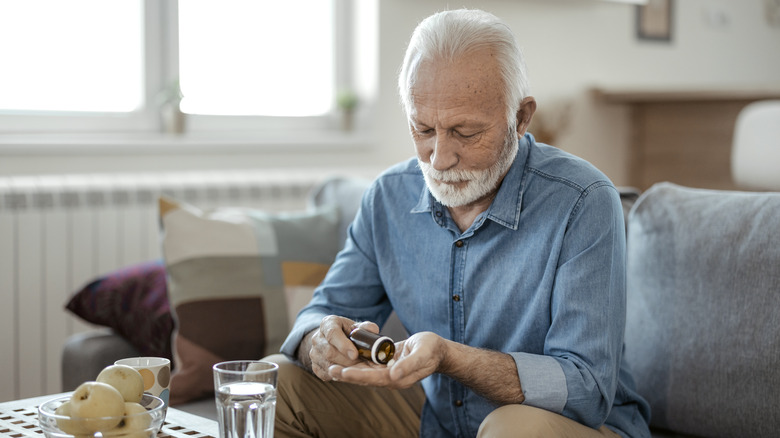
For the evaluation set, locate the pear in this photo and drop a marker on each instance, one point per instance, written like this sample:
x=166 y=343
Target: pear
x=98 y=405
x=70 y=426
x=135 y=423
x=126 y=379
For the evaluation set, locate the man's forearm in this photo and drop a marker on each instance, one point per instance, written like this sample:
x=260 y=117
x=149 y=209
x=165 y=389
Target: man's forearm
x=491 y=374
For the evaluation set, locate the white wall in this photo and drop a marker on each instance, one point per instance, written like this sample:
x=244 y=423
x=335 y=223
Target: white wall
x=570 y=45
x=574 y=45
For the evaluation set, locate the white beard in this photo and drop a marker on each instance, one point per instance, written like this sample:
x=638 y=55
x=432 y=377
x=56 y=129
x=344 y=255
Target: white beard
x=478 y=182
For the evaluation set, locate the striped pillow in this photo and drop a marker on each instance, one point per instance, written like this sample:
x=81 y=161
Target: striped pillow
x=236 y=279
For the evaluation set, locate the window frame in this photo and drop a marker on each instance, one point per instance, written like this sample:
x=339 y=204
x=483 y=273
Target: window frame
x=161 y=67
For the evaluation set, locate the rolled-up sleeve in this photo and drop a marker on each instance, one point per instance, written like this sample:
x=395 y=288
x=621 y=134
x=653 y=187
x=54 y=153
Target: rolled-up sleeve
x=543 y=381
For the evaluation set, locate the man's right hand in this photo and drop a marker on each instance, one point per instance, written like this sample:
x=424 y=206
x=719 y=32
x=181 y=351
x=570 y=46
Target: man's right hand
x=330 y=345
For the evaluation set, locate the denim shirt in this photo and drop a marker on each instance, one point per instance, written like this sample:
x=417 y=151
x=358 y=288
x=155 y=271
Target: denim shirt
x=540 y=275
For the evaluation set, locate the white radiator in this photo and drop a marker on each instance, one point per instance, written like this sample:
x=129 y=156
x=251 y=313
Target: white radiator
x=59 y=232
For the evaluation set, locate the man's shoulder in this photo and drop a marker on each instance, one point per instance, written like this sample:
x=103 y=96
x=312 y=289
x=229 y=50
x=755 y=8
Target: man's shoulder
x=558 y=166
x=397 y=186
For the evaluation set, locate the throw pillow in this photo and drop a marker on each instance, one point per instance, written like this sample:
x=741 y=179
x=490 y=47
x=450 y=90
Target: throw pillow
x=702 y=333
x=236 y=279
x=133 y=301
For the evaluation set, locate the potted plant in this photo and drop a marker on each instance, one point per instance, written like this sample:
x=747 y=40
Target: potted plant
x=169 y=101
x=347 y=101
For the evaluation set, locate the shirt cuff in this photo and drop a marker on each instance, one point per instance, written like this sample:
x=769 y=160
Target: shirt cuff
x=542 y=380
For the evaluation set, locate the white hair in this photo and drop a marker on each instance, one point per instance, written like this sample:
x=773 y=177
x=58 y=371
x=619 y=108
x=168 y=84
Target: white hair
x=449 y=35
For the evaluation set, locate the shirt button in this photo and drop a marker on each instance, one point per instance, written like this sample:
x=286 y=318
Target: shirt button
x=459 y=243
x=456 y=297
x=438 y=214
x=458 y=403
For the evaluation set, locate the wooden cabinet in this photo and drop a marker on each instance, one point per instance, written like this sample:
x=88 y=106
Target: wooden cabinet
x=683 y=136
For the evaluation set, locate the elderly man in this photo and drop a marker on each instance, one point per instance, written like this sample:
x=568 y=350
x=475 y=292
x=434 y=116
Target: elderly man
x=504 y=258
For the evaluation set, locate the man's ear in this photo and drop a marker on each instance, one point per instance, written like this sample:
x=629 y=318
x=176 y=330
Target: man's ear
x=524 y=115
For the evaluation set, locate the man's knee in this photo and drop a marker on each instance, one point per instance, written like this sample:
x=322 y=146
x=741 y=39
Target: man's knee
x=510 y=420
x=528 y=421
x=289 y=377
x=286 y=366
x=280 y=360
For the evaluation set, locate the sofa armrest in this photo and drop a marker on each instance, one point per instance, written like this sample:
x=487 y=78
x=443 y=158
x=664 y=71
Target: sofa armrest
x=85 y=354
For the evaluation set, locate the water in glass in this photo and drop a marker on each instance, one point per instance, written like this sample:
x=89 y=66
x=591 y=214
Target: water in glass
x=246 y=410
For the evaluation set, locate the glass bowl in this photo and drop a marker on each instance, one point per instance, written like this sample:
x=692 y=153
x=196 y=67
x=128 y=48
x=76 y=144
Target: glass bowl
x=142 y=424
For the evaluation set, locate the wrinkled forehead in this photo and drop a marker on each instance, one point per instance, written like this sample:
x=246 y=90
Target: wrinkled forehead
x=471 y=78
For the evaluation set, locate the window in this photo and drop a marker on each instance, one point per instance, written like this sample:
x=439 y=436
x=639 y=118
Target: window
x=232 y=60
x=53 y=60
x=247 y=65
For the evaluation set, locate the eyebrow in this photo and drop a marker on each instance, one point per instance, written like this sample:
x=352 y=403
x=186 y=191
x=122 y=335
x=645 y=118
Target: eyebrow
x=468 y=124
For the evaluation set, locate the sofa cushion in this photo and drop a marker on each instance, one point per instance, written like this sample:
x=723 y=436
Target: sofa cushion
x=133 y=301
x=236 y=278
x=344 y=193
x=703 y=323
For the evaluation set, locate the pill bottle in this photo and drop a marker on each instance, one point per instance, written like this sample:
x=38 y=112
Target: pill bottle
x=371 y=346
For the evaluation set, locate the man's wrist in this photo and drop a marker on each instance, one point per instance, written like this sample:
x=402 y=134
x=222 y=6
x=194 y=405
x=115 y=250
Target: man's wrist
x=304 y=347
x=444 y=352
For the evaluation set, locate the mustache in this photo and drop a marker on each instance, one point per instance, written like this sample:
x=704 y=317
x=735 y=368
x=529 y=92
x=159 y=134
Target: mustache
x=450 y=175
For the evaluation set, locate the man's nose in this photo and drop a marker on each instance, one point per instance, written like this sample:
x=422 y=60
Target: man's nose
x=445 y=152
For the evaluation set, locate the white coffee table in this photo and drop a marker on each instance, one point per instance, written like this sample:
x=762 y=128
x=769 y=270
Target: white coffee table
x=19 y=418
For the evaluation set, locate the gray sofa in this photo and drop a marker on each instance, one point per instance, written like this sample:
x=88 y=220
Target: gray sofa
x=703 y=322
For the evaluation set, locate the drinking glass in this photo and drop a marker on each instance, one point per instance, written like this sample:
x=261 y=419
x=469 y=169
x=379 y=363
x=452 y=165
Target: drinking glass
x=245 y=391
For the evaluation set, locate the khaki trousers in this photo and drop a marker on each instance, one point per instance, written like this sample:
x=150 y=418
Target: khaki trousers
x=309 y=407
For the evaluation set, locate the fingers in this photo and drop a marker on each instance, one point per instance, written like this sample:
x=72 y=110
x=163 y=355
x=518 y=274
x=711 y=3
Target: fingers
x=335 y=330
x=331 y=346
x=405 y=373
x=407 y=369
x=334 y=357
x=418 y=357
x=371 y=374
x=367 y=325
x=364 y=373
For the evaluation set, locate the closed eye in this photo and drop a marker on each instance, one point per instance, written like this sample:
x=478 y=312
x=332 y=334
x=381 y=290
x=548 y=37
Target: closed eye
x=466 y=134
x=423 y=130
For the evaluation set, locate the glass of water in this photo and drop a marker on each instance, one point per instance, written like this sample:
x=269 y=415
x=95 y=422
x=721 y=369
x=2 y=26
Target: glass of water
x=246 y=398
